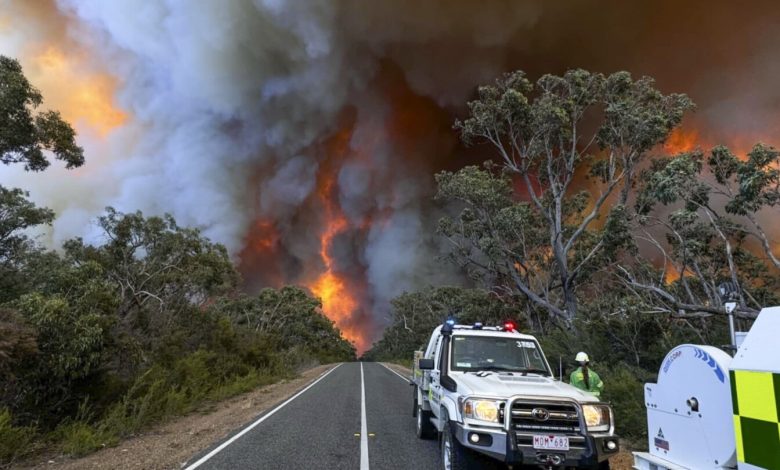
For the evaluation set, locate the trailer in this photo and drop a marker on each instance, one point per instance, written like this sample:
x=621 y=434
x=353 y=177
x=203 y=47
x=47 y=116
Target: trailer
x=711 y=411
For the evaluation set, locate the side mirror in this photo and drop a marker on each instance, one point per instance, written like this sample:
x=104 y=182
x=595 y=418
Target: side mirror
x=425 y=364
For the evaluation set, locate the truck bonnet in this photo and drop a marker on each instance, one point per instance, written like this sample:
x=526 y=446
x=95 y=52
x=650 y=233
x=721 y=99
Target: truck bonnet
x=504 y=385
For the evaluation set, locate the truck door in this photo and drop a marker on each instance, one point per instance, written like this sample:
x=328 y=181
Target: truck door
x=434 y=392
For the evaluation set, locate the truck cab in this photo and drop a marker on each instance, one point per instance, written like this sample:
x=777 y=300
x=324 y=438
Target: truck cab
x=490 y=395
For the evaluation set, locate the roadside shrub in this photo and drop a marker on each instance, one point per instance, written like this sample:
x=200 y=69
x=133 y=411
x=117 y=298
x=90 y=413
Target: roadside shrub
x=15 y=441
x=242 y=384
x=78 y=438
x=178 y=388
x=624 y=389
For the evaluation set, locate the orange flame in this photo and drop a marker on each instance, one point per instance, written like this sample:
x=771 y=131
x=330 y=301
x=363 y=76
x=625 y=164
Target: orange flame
x=338 y=302
x=673 y=274
x=681 y=140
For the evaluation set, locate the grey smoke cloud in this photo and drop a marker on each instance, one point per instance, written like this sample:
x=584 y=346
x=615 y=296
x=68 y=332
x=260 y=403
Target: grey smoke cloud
x=230 y=103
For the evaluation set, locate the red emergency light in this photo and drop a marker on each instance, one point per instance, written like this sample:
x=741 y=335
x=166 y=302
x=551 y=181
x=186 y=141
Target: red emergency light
x=509 y=325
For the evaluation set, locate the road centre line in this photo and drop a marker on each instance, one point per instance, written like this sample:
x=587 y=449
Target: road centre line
x=363 y=425
x=406 y=379
x=263 y=418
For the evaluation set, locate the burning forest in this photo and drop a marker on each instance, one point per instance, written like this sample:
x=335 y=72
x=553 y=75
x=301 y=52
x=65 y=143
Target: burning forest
x=201 y=200
x=304 y=136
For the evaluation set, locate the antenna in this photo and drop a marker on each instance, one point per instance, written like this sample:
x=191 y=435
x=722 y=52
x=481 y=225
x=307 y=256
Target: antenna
x=729 y=294
x=560 y=366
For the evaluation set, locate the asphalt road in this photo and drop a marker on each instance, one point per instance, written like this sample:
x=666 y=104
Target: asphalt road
x=356 y=416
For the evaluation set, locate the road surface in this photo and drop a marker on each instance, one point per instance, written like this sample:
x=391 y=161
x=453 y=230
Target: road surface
x=355 y=416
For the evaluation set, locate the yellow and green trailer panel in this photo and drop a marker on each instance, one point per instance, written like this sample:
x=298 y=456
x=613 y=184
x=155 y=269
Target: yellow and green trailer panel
x=756 y=403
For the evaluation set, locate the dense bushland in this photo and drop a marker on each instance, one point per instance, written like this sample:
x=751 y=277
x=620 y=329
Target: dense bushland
x=97 y=342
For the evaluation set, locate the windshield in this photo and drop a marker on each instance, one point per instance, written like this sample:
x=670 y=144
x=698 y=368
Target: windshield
x=475 y=353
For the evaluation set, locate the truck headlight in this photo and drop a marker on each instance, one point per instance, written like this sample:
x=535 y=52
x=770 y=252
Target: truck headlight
x=597 y=417
x=483 y=410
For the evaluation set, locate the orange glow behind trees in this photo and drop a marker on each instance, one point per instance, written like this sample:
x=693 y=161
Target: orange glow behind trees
x=83 y=97
x=681 y=140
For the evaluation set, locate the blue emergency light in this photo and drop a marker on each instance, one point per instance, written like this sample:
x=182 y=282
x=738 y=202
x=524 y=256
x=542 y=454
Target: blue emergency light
x=446 y=328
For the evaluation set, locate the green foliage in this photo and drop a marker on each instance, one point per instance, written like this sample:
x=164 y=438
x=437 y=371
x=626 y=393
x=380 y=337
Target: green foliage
x=78 y=438
x=102 y=341
x=24 y=136
x=293 y=316
x=710 y=228
x=625 y=391
x=175 y=389
x=17 y=214
x=157 y=267
x=757 y=180
x=17 y=339
x=70 y=340
x=15 y=441
x=547 y=136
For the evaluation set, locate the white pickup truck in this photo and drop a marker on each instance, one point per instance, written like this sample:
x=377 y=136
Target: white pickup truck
x=467 y=379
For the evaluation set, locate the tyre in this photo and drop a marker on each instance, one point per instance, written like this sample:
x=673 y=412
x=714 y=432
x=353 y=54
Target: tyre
x=454 y=456
x=425 y=429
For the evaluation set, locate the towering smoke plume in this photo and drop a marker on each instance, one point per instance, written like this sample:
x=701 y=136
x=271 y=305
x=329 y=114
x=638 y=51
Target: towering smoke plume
x=304 y=134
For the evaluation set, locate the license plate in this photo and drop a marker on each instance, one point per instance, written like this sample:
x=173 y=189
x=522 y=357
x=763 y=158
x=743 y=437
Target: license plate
x=551 y=442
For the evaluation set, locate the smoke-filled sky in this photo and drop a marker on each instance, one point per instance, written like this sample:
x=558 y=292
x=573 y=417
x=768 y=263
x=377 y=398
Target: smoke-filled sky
x=303 y=135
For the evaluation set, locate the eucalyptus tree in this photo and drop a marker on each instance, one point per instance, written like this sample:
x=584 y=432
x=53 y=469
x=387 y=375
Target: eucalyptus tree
x=718 y=226
x=571 y=147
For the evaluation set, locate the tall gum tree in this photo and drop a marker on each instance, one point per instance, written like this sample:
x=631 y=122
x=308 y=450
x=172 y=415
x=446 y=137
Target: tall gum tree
x=547 y=137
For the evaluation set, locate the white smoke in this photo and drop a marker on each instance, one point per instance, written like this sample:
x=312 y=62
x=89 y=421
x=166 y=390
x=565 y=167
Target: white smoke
x=230 y=101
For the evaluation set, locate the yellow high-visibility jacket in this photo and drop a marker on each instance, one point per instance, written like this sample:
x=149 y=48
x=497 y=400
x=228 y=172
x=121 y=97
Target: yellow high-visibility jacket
x=596 y=386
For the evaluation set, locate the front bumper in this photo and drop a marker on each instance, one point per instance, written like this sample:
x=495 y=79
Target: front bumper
x=517 y=448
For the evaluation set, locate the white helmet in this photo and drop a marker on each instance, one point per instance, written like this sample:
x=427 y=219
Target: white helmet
x=582 y=357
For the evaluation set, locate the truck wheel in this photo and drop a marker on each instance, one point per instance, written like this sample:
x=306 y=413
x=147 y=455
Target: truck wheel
x=414 y=402
x=425 y=429
x=454 y=456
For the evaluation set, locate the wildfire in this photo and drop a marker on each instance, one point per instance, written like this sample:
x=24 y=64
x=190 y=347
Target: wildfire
x=264 y=237
x=338 y=302
x=681 y=140
x=82 y=96
x=673 y=274
x=260 y=248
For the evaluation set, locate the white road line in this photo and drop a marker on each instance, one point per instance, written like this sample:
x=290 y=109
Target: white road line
x=263 y=418
x=406 y=379
x=363 y=426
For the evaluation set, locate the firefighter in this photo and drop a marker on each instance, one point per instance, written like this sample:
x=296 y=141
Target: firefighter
x=586 y=379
